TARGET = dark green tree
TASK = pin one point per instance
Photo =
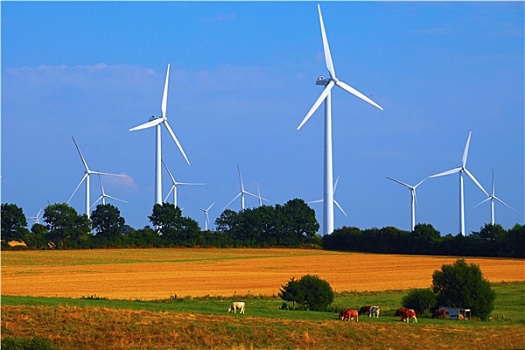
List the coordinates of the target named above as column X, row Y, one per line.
column 37, row 238
column 108, row 225
column 462, row 285
column 174, row 229
column 291, row 292
column 421, row 300
column 516, row 241
column 14, row 223
column 317, row 294
column 67, row 229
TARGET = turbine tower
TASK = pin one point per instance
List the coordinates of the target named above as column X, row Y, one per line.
column 242, row 193
column 156, row 122
column 328, row 83
column 175, row 184
column 206, row 217
column 87, row 174
column 462, row 169
column 414, row 198
column 493, row 198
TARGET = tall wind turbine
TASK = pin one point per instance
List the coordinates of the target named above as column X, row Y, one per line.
column 36, row 218
column 87, row 174
column 242, row 193
column 329, row 83
column 413, row 195
column 156, row 122
column 206, row 217
column 462, row 169
column 261, row 199
column 105, row 195
column 175, row 184
column 493, row 198
column 335, row 202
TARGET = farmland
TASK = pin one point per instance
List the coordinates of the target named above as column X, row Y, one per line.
column 125, row 299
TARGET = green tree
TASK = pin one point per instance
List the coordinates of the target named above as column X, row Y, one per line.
column 37, row 237
column 14, row 223
column 291, row 292
column 173, row 227
column 516, row 241
column 108, row 225
column 317, row 294
column 422, row 300
column 67, row 229
column 463, row 285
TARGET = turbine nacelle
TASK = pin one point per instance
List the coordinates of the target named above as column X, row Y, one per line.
column 322, row 81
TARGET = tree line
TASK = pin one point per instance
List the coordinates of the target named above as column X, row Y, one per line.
column 292, row 224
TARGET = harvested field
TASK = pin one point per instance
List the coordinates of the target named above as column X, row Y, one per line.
column 149, row 274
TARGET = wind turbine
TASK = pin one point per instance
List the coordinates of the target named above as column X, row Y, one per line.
column 493, row 198
column 105, row 195
column 87, row 174
column 242, row 193
column 413, row 195
column 261, row 199
column 335, row 202
column 158, row 146
column 329, row 83
column 175, row 184
column 36, row 218
column 206, row 218
column 462, row 169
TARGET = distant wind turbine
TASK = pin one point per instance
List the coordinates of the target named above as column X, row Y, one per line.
column 328, row 192
column 158, row 146
column 462, row 169
column 335, row 202
column 87, row 174
column 261, row 199
column 36, row 218
column 492, row 197
column 175, row 184
column 413, row 195
column 105, row 195
column 242, row 193
column 206, row 217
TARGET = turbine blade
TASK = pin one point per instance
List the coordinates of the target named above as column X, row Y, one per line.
column 476, row 181
column 81, row 156
column 240, row 178
column 399, row 182
column 76, row 188
column 502, row 202
column 340, row 208
column 115, row 198
column 354, row 92
column 230, row 202
column 169, row 172
column 95, row 203
column 420, row 182
column 165, row 94
column 448, row 172
column 336, row 182
column 250, row 194
column 106, row 174
column 210, row 206
column 176, row 141
column 326, row 47
column 171, row 190
column 149, row 124
column 483, row 201
column 465, row 152
column 316, row 201
column 317, row 103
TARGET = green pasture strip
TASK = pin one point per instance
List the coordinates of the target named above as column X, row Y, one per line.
column 509, row 305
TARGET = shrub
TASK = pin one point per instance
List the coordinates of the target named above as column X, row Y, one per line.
column 37, row 343
column 421, row 300
column 310, row 291
column 462, row 285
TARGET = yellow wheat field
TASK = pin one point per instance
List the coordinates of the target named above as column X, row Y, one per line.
column 149, row 274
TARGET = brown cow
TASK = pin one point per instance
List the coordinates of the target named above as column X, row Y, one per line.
column 440, row 313
column 364, row 309
column 408, row 314
column 349, row 314
column 400, row 311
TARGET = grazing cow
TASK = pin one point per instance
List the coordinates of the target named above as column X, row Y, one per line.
column 237, row 305
column 400, row 311
column 408, row 314
column 349, row 314
column 364, row 309
column 374, row 311
column 440, row 313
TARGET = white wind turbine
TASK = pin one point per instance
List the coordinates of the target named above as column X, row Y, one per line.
column 242, row 193
column 328, row 192
column 462, row 169
column 175, row 184
column 87, row 174
column 493, row 198
column 413, row 195
column 261, row 199
column 206, row 217
column 158, row 146
column 105, row 195
column 335, row 202
column 36, row 218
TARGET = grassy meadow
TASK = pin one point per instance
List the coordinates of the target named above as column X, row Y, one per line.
column 42, row 295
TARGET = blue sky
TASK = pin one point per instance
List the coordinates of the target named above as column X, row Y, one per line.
column 242, row 78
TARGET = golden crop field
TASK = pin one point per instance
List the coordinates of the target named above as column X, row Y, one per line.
column 149, row 274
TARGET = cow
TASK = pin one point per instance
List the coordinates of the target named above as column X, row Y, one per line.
column 364, row 309
column 374, row 311
column 408, row 314
column 400, row 311
column 237, row 305
column 349, row 314
column 440, row 313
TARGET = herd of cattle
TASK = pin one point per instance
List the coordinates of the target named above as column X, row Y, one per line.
column 406, row 314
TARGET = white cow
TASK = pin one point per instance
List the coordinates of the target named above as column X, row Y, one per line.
column 374, row 311
column 237, row 305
